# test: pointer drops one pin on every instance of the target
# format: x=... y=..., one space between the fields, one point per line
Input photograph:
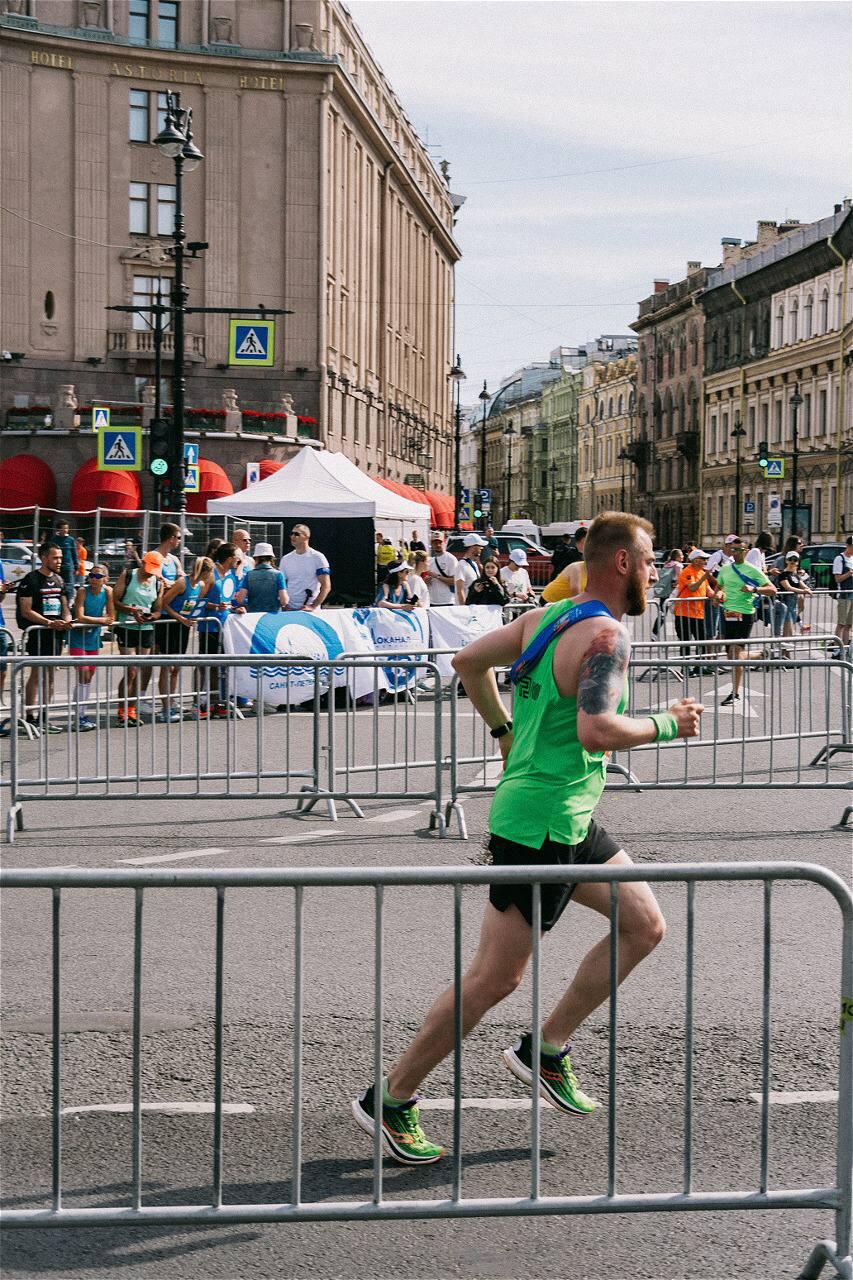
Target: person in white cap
x=516 y=579
x=716 y=561
x=467 y=568
x=264 y=588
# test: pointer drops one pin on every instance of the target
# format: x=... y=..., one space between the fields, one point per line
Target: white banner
x=454 y=626
x=326 y=635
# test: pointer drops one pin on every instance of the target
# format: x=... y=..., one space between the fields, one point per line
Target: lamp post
x=484 y=400
x=796 y=401
x=175 y=140
x=553 y=469
x=457 y=377
x=623 y=456
x=508 y=435
x=737 y=434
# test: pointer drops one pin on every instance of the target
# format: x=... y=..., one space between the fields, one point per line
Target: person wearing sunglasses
x=93 y=609
x=306 y=572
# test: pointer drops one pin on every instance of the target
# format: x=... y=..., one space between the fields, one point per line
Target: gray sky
x=601 y=145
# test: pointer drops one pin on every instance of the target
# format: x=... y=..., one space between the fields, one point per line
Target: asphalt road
x=698 y=824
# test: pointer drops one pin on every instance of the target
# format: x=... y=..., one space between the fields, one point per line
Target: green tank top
x=143 y=595
x=551 y=784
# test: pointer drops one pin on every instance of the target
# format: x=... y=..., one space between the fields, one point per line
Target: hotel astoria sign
x=151 y=71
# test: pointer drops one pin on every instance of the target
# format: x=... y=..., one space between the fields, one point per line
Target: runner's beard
x=635 y=599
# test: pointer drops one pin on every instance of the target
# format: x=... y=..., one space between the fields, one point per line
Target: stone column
x=148 y=393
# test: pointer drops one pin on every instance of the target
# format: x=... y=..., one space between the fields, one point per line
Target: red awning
x=213 y=483
x=404 y=490
x=268 y=467
x=442 y=509
x=113 y=490
x=26 y=481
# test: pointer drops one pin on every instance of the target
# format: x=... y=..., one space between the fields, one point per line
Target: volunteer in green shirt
x=741 y=583
x=569 y=667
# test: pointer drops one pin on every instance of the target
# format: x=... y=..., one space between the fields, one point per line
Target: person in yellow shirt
x=568 y=583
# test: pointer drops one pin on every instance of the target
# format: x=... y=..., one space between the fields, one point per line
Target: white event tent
x=317 y=484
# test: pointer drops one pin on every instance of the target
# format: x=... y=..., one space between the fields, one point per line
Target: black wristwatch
x=502 y=730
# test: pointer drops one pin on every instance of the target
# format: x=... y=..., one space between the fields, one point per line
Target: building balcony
x=138 y=344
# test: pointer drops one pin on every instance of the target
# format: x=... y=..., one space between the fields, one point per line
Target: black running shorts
x=738 y=628
x=596 y=848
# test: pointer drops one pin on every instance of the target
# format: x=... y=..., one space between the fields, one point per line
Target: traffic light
x=762 y=455
x=159 y=447
x=477 y=513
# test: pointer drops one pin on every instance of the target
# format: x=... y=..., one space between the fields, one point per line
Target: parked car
x=17 y=559
x=538 y=559
x=817 y=560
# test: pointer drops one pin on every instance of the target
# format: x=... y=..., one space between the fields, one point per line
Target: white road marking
x=68 y=866
x=302 y=835
x=795 y=1099
x=479 y=1104
x=392 y=815
x=172 y=857
x=166 y=1108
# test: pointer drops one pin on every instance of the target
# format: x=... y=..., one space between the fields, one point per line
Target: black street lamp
x=623 y=456
x=457 y=377
x=484 y=399
x=796 y=401
x=553 y=469
x=508 y=435
x=737 y=434
x=175 y=140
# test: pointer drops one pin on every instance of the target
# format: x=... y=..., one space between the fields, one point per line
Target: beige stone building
x=605 y=429
x=315 y=195
x=779 y=320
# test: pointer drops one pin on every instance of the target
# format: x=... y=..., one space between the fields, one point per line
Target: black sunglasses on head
x=92 y=574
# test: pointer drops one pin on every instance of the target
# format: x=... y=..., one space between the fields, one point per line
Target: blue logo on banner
x=268 y=628
x=397 y=677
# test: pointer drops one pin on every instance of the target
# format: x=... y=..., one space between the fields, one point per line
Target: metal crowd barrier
x=290 y=1206
x=342 y=750
x=794 y=716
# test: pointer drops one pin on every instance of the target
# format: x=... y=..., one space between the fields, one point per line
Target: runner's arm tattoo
x=602 y=673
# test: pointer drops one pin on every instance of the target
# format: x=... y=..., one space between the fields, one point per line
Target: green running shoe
x=402 y=1134
x=557 y=1082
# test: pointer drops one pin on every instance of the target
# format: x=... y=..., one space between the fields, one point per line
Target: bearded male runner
x=568 y=706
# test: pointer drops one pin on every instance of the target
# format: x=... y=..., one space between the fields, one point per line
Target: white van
x=524 y=528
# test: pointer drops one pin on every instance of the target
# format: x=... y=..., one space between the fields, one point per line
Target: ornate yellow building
x=605 y=428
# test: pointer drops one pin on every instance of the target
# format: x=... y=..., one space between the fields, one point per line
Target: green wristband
x=666 y=726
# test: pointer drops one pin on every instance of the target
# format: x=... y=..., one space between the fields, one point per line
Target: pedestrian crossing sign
x=775 y=469
x=100 y=417
x=120 y=449
x=192 y=479
x=251 y=342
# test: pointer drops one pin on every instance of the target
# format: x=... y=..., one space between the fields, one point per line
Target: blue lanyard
x=539 y=644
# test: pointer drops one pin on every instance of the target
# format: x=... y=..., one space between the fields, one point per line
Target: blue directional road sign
x=190 y=455
x=251 y=342
x=120 y=449
x=775 y=469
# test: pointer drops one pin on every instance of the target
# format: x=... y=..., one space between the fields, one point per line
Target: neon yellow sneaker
x=404 y=1139
x=558 y=1084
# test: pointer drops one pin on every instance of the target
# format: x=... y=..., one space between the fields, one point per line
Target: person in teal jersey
x=183 y=605
x=218 y=603
x=742 y=584
x=138 y=598
x=93 y=610
x=570 y=663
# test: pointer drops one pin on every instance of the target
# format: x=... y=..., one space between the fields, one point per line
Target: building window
x=795 y=320
x=154 y=22
x=708 y=510
x=780 y=327
x=824 y=311
x=694 y=346
x=806 y=426
x=712 y=434
x=49 y=305
x=777 y=421
x=720 y=501
x=822 y=413
x=138 y=217
x=750 y=426
x=807 y=317
x=724 y=433
x=765 y=420
x=142 y=106
x=817 y=509
x=621 y=405
x=145 y=294
x=166 y=205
